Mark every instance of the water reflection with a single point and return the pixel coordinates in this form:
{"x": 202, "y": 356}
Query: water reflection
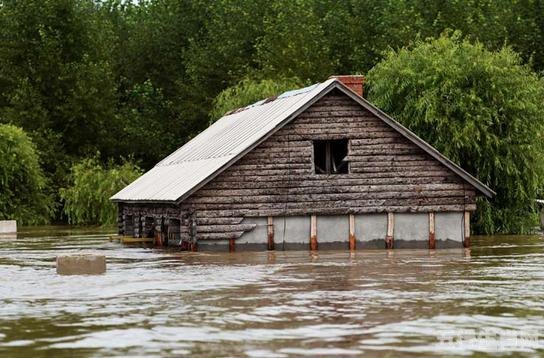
{"x": 152, "y": 302}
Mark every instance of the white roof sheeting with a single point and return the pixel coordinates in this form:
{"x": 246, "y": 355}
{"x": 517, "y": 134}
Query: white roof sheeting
{"x": 225, "y": 141}
{"x": 201, "y": 157}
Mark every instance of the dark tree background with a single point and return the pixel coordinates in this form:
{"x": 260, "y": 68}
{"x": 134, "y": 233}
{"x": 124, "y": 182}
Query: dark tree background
{"x": 139, "y": 79}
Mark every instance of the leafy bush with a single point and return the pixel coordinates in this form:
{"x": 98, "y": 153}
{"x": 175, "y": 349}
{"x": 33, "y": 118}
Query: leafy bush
{"x": 481, "y": 109}
{"x": 22, "y": 183}
{"x": 87, "y": 199}
{"x": 249, "y": 91}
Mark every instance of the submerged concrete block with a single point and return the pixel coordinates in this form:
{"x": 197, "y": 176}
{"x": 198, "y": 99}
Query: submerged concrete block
{"x": 257, "y": 235}
{"x": 369, "y": 227}
{"x": 8, "y": 227}
{"x": 292, "y": 232}
{"x": 256, "y": 239}
{"x": 411, "y": 226}
{"x": 81, "y": 264}
{"x": 333, "y": 231}
{"x": 449, "y": 228}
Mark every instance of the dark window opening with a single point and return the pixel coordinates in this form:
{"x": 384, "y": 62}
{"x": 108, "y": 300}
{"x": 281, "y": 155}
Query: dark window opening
{"x": 330, "y": 156}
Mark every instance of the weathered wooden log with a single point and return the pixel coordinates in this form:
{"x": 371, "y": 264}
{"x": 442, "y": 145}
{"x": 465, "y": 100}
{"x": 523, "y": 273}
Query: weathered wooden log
{"x": 330, "y": 114}
{"x": 225, "y": 228}
{"x": 301, "y": 174}
{"x": 361, "y": 197}
{"x": 220, "y": 235}
{"x": 203, "y": 221}
{"x": 331, "y": 189}
{"x": 301, "y": 128}
{"x": 336, "y": 211}
{"x": 362, "y": 205}
{"x": 321, "y": 181}
{"x": 394, "y": 165}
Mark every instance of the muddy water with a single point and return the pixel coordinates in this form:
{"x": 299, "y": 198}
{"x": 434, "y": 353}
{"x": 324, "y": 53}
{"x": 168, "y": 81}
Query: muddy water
{"x": 487, "y": 300}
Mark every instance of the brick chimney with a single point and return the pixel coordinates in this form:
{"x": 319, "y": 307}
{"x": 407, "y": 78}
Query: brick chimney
{"x": 353, "y": 82}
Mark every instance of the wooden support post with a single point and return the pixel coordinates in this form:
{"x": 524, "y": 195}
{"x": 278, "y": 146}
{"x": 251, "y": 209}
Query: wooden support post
{"x": 157, "y": 238}
{"x": 232, "y": 245}
{"x": 466, "y": 225}
{"x": 352, "y": 239}
{"x": 193, "y": 246}
{"x": 389, "y": 239}
{"x": 313, "y": 233}
{"x": 270, "y": 233}
{"x": 432, "y": 240}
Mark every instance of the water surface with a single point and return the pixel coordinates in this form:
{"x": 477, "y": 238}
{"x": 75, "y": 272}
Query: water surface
{"x": 487, "y": 300}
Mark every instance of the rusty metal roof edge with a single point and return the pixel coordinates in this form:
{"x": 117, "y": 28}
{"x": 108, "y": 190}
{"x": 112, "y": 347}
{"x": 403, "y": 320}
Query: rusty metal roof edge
{"x": 280, "y": 125}
{"x": 429, "y": 149}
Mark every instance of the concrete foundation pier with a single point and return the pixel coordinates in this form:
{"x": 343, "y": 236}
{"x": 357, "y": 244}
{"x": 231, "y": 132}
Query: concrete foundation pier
{"x": 81, "y": 264}
{"x": 8, "y": 227}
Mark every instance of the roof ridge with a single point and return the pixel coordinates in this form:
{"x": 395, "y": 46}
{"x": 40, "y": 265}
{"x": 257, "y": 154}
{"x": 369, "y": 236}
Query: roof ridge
{"x": 286, "y": 94}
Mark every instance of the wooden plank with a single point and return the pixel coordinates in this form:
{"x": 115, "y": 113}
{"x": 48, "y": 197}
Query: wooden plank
{"x": 270, "y": 233}
{"x": 219, "y": 235}
{"x": 466, "y": 239}
{"x": 225, "y": 228}
{"x": 347, "y": 180}
{"x": 389, "y": 238}
{"x": 352, "y": 239}
{"x": 432, "y": 241}
{"x": 329, "y": 199}
{"x": 313, "y": 233}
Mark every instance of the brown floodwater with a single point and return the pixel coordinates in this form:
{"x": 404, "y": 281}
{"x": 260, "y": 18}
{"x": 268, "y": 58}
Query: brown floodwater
{"x": 151, "y": 302}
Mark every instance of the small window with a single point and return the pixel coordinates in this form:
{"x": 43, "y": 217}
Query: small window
{"x": 330, "y": 156}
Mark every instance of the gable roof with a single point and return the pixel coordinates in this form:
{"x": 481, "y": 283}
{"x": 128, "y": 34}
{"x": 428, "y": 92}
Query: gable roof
{"x": 219, "y": 146}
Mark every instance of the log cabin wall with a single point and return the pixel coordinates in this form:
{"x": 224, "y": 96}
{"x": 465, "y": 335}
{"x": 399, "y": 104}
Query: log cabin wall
{"x": 133, "y": 218}
{"x": 387, "y": 174}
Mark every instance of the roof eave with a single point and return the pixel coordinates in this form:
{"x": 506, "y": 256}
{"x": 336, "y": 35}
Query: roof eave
{"x": 143, "y": 201}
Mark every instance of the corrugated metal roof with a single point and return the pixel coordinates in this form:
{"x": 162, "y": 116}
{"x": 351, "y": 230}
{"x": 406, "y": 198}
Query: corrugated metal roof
{"x": 216, "y": 148}
{"x": 224, "y": 140}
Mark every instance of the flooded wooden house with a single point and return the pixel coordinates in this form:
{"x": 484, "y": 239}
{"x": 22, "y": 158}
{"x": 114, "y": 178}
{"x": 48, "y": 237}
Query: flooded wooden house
{"x": 314, "y": 168}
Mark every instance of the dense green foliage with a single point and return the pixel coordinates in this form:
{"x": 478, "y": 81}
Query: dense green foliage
{"x": 481, "y": 109}
{"x": 86, "y": 199}
{"x": 23, "y": 186}
{"x": 139, "y": 78}
{"x": 249, "y": 91}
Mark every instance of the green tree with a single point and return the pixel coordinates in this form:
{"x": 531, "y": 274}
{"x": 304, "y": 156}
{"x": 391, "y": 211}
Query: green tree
{"x": 481, "y": 109}
{"x": 86, "y": 199}
{"x": 249, "y": 91}
{"x": 56, "y": 81}
{"x": 23, "y": 187}
{"x": 294, "y": 42}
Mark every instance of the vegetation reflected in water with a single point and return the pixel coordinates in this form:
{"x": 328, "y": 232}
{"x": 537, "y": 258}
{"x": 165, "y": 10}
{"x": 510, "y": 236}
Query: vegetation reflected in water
{"x": 487, "y": 299}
